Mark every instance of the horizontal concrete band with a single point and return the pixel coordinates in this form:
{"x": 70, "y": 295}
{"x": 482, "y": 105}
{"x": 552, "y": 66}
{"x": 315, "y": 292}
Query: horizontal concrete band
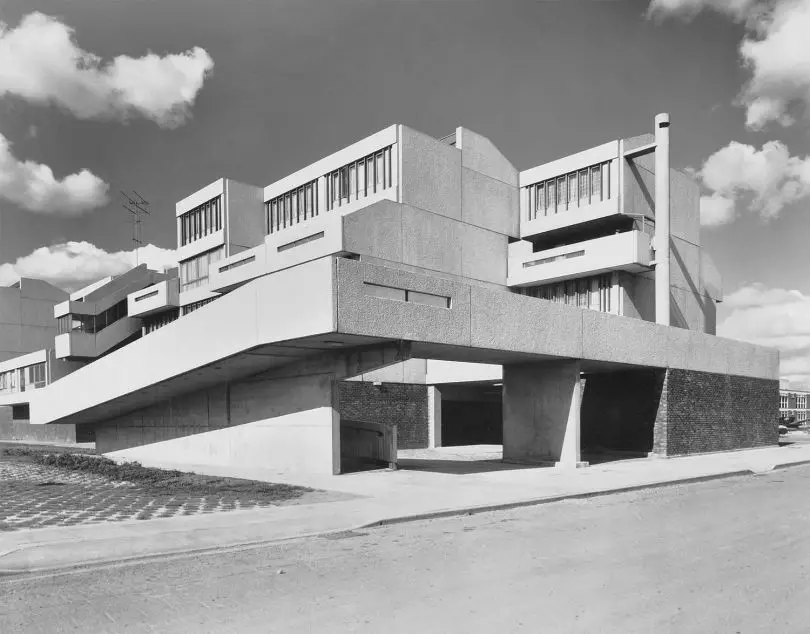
{"x": 280, "y": 318}
{"x": 482, "y": 319}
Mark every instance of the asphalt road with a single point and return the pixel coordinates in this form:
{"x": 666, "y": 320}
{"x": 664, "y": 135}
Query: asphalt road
{"x": 724, "y": 556}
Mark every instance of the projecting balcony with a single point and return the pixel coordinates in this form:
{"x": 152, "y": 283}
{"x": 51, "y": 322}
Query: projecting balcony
{"x": 154, "y": 299}
{"x": 80, "y": 344}
{"x": 628, "y": 251}
{"x": 316, "y": 238}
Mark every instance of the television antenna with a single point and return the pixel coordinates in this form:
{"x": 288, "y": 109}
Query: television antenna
{"x": 138, "y": 206}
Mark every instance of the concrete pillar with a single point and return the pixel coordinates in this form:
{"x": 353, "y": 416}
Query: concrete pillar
{"x": 434, "y": 417}
{"x": 541, "y": 409}
{"x": 662, "y": 230}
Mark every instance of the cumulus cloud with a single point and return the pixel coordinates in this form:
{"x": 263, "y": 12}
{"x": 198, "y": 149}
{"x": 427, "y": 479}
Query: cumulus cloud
{"x": 41, "y": 62}
{"x": 72, "y": 265}
{"x": 774, "y": 317}
{"x": 33, "y": 186}
{"x": 775, "y": 51}
{"x": 716, "y": 210}
{"x": 765, "y": 181}
{"x": 688, "y": 9}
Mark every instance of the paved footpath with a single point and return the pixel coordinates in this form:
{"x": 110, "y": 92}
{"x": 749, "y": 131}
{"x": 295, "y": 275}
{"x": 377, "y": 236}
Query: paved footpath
{"x": 371, "y": 498}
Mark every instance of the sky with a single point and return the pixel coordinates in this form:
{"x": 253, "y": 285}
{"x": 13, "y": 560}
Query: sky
{"x": 165, "y": 96}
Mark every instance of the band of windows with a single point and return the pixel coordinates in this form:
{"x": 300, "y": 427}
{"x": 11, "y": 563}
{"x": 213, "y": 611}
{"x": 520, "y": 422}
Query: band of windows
{"x": 569, "y": 191}
{"x": 292, "y": 207}
{"x": 201, "y": 221}
{"x": 194, "y": 271}
{"x": 92, "y": 323}
{"x": 356, "y": 180}
{"x": 190, "y": 308}
{"x": 369, "y": 175}
{"x": 21, "y": 379}
{"x": 155, "y": 322}
{"x": 585, "y": 292}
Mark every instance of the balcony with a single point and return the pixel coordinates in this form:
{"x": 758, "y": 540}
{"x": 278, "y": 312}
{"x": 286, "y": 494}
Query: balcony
{"x": 315, "y": 238}
{"x": 629, "y": 251}
{"x": 79, "y": 344}
{"x": 154, "y": 299}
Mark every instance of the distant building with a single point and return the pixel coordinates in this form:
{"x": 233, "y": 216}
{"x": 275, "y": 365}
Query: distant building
{"x": 794, "y": 403}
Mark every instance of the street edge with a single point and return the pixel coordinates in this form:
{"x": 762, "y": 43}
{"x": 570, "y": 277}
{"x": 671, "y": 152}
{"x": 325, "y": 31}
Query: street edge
{"x": 10, "y": 574}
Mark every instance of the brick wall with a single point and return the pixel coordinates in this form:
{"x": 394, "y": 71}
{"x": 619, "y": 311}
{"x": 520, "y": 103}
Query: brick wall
{"x": 717, "y": 412}
{"x": 678, "y": 412}
{"x": 401, "y": 403}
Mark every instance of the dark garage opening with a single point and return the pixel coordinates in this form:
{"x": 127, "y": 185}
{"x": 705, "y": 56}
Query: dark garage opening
{"x": 618, "y": 414}
{"x": 471, "y": 414}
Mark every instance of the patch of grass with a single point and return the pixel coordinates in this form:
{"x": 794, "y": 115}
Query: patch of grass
{"x": 161, "y": 481}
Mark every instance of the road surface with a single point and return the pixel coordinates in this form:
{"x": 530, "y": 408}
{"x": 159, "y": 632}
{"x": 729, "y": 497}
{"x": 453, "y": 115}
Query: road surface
{"x": 723, "y": 556}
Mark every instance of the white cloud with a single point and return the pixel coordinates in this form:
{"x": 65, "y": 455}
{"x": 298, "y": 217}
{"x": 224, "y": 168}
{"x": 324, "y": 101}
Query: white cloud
{"x": 33, "y": 186}
{"x": 774, "y": 317}
{"x": 779, "y": 61}
{"x": 72, "y": 265}
{"x": 716, "y": 210}
{"x": 769, "y": 179}
{"x": 775, "y": 51}
{"x": 41, "y": 62}
{"x": 688, "y": 9}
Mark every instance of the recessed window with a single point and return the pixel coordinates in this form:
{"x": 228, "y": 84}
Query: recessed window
{"x": 201, "y": 221}
{"x": 405, "y": 295}
{"x": 147, "y": 296}
{"x": 569, "y": 191}
{"x": 237, "y": 264}
{"x": 554, "y": 258}
{"x": 298, "y": 243}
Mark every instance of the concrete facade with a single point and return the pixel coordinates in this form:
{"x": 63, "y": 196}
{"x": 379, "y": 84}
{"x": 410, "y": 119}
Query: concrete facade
{"x": 26, "y": 317}
{"x": 426, "y": 263}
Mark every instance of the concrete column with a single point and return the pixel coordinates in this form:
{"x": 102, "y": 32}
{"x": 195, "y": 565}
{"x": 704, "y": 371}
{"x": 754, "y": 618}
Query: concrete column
{"x": 662, "y": 230}
{"x": 541, "y": 410}
{"x": 434, "y": 417}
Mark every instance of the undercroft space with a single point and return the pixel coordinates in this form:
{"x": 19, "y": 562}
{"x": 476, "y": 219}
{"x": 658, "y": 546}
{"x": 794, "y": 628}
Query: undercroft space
{"x": 469, "y": 459}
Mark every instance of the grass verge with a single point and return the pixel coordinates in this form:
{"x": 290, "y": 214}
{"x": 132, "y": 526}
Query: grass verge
{"x": 160, "y": 481}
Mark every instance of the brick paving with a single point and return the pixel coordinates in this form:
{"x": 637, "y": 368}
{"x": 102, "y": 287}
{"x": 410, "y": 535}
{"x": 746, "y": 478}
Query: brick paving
{"x": 38, "y": 496}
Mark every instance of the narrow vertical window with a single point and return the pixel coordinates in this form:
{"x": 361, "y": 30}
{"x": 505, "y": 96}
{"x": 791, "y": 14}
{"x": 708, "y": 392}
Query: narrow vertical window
{"x": 551, "y": 193}
{"x": 584, "y": 190}
{"x": 573, "y": 196}
{"x": 596, "y": 184}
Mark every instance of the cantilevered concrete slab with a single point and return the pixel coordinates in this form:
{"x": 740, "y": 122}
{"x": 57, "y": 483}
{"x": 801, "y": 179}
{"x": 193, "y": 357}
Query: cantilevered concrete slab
{"x": 299, "y": 330}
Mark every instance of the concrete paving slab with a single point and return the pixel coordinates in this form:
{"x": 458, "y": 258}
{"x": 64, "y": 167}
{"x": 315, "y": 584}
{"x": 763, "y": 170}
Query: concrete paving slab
{"x": 382, "y": 497}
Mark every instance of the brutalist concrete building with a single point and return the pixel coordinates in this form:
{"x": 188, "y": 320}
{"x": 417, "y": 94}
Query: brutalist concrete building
{"x": 412, "y": 291}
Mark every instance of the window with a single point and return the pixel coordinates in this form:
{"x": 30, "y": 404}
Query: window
{"x": 140, "y": 298}
{"x": 298, "y": 243}
{"x": 404, "y": 295}
{"x": 554, "y": 258}
{"x": 569, "y": 191}
{"x": 155, "y": 322}
{"x": 237, "y": 264}
{"x": 292, "y": 207}
{"x": 201, "y": 221}
{"x": 194, "y": 271}
{"x": 783, "y": 401}
{"x": 190, "y": 308}
{"x": 361, "y": 178}
{"x": 586, "y": 292}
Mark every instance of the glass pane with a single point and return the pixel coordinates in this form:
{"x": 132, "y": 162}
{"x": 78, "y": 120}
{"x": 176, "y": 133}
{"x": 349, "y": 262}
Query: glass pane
{"x": 584, "y": 190}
